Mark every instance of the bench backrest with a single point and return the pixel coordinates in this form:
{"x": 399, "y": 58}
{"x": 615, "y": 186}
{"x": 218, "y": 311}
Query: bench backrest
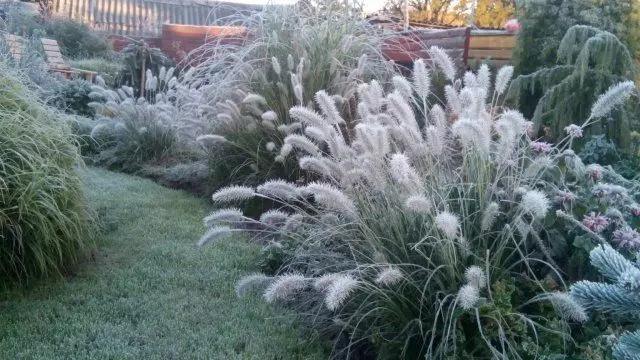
{"x": 16, "y": 46}
{"x": 54, "y": 57}
{"x": 406, "y": 47}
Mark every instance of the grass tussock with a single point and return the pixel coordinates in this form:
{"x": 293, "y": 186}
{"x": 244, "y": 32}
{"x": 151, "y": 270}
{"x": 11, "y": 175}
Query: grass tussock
{"x": 45, "y": 224}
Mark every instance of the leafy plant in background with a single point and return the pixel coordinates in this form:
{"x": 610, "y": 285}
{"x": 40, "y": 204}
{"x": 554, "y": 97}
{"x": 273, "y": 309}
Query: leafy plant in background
{"x": 111, "y": 70}
{"x": 448, "y": 239}
{"x": 589, "y": 61}
{"x": 138, "y": 57}
{"x": 45, "y": 224}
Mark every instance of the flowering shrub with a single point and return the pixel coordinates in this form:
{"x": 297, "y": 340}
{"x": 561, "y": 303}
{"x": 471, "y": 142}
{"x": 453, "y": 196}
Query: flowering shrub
{"x": 434, "y": 229}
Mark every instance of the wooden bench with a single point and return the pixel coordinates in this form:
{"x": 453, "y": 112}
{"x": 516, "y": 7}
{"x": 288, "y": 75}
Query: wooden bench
{"x": 16, "y": 45}
{"x": 406, "y": 47}
{"x": 494, "y": 45}
{"x": 58, "y": 65}
{"x": 463, "y": 45}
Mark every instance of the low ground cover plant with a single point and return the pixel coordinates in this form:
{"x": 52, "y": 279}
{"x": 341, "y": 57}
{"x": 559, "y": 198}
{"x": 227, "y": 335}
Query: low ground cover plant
{"x": 435, "y": 228}
{"x": 45, "y": 225}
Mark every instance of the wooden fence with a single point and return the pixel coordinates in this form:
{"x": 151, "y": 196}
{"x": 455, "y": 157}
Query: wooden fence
{"x": 494, "y": 45}
{"x": 144, "y": 18}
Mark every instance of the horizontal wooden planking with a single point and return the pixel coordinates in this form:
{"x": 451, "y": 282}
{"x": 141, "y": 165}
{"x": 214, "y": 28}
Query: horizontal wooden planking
{"x": 405, "y": 56}
{"x": 49, "y": 42}
{"x": 411, "y": 45}
{"x": 495, "y": 54}
{"x": 492, "y": 42}
{"x": 434, "y": 34}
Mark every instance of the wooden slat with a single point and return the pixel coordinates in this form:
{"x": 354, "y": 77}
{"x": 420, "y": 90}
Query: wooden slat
{"x": 492, "y": 42}
{"x": 495, "y": 54}
{"x": 49, "y": 42}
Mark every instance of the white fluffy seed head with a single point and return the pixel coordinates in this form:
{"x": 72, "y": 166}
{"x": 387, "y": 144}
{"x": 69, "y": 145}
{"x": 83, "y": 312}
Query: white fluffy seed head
{"x": 254, "y": 99}
{"x": 389, "y": 276}
{"x": 270, "y": 146}
{"x": 568, "y": 307}
{"x": 484, "y": 77}
{"x": 404, "y": 173}
{"x": 616, "y": 95}
{"x": 328, "y": 107}
{"x": 274, "y": 217}
{"x": 448, "y": 223}
{"x": 307, "y": 116}
{"x": 503, "y": 78}
{"x": 475, "y": 276}
{"x": 418, "y": 203}
{"x": 489, "y": 216}
{"x": 214, "y": 234}
{"x": 278, "y": 189}
{"x": 250, "y": 282}
{"x": 230, "y": 215}
{"x": 332, "y": 198}
{"x": 444, "y": 62}
{"x": 269, "y": 116}
{"x": 402, "y": 85}
{"x": 284, "y": 286}
{"x": 325, "y": 281}
{"x": 210, "y": 140}
{"x": 233, "y": 193}
{"x": 535, "y": 203}
{"x": 339, "y": 291}
{"x": 468, "y": 297}
{"x": 421, "y": 79}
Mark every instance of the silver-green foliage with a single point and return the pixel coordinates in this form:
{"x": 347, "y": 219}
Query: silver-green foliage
{"x": 620, "y": 297}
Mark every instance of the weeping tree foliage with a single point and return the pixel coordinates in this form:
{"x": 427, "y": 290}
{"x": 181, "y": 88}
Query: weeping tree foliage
{"x": 589, "y": 61}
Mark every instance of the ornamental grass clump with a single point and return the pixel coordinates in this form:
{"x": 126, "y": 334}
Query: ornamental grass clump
{"x": 250, "y": 81}
{"x": 45, "y": 225}
{"x": 432, "y": 229}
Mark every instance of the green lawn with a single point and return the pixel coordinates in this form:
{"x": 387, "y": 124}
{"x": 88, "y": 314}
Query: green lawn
{"x": 150, "y": 293}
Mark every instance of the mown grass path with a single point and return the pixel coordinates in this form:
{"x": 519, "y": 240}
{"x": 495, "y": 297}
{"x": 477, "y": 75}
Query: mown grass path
{"x": 149, "y": 292}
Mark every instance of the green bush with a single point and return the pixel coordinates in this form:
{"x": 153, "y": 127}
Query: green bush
{"x": 45, "y": 225}
{"x": 76, "y": 40}
{"x": 73, "y": 97}
{"x": 109, "y": 69}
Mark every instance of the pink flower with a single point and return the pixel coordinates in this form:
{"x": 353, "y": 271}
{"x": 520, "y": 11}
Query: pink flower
{"x": 540, "y": 147}
{"x": 512, "y": 26}
{"x": 595, "y": 222}
{"x": 626, "y": 237}
{"x": 594, "y": 172}
{"x": 573, "y": 131}
{"x": 528, "y": 128}
{"x": 635, "y": 210}
{"x": 565, "y": 196}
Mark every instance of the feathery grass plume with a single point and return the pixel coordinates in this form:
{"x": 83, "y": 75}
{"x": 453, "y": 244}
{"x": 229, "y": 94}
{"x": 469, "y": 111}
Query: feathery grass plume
{"x": 439, "y": 117}
{"x": 448, "y": 223}
{"x": 328, "y": 108}
{"x": 298, "y": 92}
{"x": 616, "y": 95}
{"x": 251, "y": 282}
{"x": 332, "y": 198}
{"x": 279, "y": 189}
{"x": 275, "y": 64}
{"x": 323, "y": 283}
{"x": 444, "y": 62}
{"x": 314, "y": 164}
{"x": 389, "y": 276}
{"x": 503, "y": 78}
{"x": 402, "y": 85}
{"x": 516, "y": 119}
{"x": 418, "y": 203}
{"x": 470, "y": 80}
{"x": 489, "y": 216}
{"x": 303, "y": 143}
{"x": 339, "y": 291}
{"x": 274, "y": 217}
{"x": 404, "y": 173}
{"x": 473, "y": 135}
{"x": 213, "y": 234}
{"x": 484, "y": 77}
{"x": 293, "y": 223}
{"x": 421, "y": 79}
{"x": 233, "y": 193}
{"x": 434, "y": 140}
{"x": 269, "y": 116}
{"x": 567, "y": 306}
{"x": 468, "y": 296}
{"x": 284, "y": 286}
{"x": 209, "y": 140}
{"x": 270, "y": 146}
{"x": 307, "y": 116}
{"x": 224, "y": 215}
{"x": 536, "y": 203}
{"x": 537, "y": 166}
{"x": 255, "y": 99}
{"x": 402, "y": 111}
{"x": 453, "y": 99}
{"x": 315, "y": 133}
{"x": 475, "y": 276}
